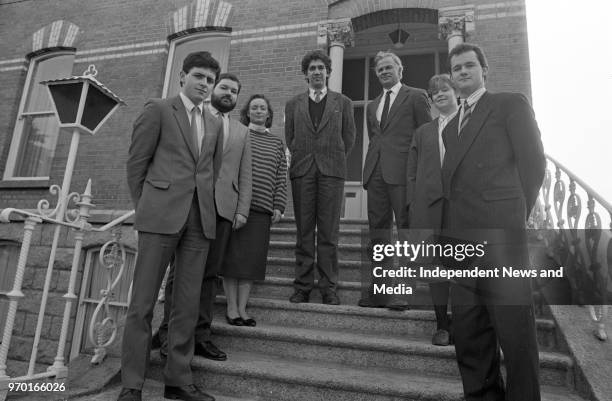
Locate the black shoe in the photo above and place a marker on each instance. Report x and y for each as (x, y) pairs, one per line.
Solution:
(208, 350)
(398, 307)
(441, 337)
(331, 298)
(250, 322)
(299, 297)
(130, 394)
(368, 303)
(234, 322)
(186, 393)
(163, 352)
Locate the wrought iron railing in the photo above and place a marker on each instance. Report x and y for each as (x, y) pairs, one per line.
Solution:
(112, 255)
(576, 239)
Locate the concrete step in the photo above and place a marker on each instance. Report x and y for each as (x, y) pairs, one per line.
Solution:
(347, 235)
(289, 222)
(153, 390)
(351, 318)
(348, 291)
(348, 270)
(286, 249)
(274, 378)
(366, 350)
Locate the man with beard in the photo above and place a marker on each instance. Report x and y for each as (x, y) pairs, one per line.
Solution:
(232, 199)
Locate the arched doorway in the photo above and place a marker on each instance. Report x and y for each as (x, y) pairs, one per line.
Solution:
(423, 54)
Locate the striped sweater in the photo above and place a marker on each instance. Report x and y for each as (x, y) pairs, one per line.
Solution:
(269, 172)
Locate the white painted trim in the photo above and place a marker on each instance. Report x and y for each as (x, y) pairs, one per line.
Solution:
(18, 130)
(501, 15)
(184, 39)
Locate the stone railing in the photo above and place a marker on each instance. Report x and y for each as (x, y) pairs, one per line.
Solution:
(575, 238)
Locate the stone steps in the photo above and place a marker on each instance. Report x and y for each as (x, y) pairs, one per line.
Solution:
(348, 235)
(366, 350)
(286, 249)
(283, 378)
(348, 270)
(349, 318)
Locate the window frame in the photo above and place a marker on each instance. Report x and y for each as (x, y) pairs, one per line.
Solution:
(18, 130)
(176, 40)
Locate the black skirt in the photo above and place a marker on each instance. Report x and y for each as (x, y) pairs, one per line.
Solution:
(247, 251)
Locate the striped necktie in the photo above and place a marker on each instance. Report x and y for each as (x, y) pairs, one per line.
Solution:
(317, 98)
(467, 112)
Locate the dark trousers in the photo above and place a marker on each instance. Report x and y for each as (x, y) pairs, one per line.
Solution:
(317, 201)
(478, 328)
(208, 292)
(384, 201)
(190, 248)
(440, 292)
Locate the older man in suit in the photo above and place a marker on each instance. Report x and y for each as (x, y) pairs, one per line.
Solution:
(319, 132)
(174, 159)
(391, 120)
(233, 191)
(493, 168)
(424, 190)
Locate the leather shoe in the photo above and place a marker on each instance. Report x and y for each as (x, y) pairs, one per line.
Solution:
(163, 352)
(331, 298)
(186, 393)
(208, 350)
(299, 297)
(398, 307)
(234, 322)
(250, 322)
(130, 394)
(441, 337)
(368, 303)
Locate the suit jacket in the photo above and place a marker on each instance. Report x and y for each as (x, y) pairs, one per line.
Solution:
(492, 173)
(164, 170)
(409, 111)
(424, 194)
(329, 145)
(233, 189)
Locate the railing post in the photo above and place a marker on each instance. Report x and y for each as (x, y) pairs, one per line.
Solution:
(16, 293)
(85, 204)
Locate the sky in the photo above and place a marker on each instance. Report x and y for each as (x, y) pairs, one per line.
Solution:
(570, 51)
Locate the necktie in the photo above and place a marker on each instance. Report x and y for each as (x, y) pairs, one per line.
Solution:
(467, 112)
(385, 110)
(317, 98)
(194, 127)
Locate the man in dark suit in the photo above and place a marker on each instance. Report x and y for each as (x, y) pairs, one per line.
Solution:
(174, 159)
(233, 191)
(391, 119)
(319, 132)
(493, 168)
(424, 189)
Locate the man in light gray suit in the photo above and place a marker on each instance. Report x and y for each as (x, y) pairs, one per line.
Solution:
(319, 132)
(174, 159)
(233, 191)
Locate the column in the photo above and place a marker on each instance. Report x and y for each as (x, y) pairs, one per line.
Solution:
(337, 35)
(454, 24)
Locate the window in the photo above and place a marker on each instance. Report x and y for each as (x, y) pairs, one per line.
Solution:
(216, 42)
(9, 254)
(36, 129)
(95, 279)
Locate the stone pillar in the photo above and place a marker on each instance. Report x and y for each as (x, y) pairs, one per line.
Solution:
(337, 35)
(454, 24)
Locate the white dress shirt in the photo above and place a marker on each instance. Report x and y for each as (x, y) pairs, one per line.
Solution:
(225, 118)
(311, 93)
(471, 100)
(394, 91)
(199, 122)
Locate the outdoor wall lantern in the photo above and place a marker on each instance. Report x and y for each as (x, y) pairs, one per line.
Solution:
(82, 102)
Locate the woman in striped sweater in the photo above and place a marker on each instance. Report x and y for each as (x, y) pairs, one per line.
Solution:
(247, 252)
